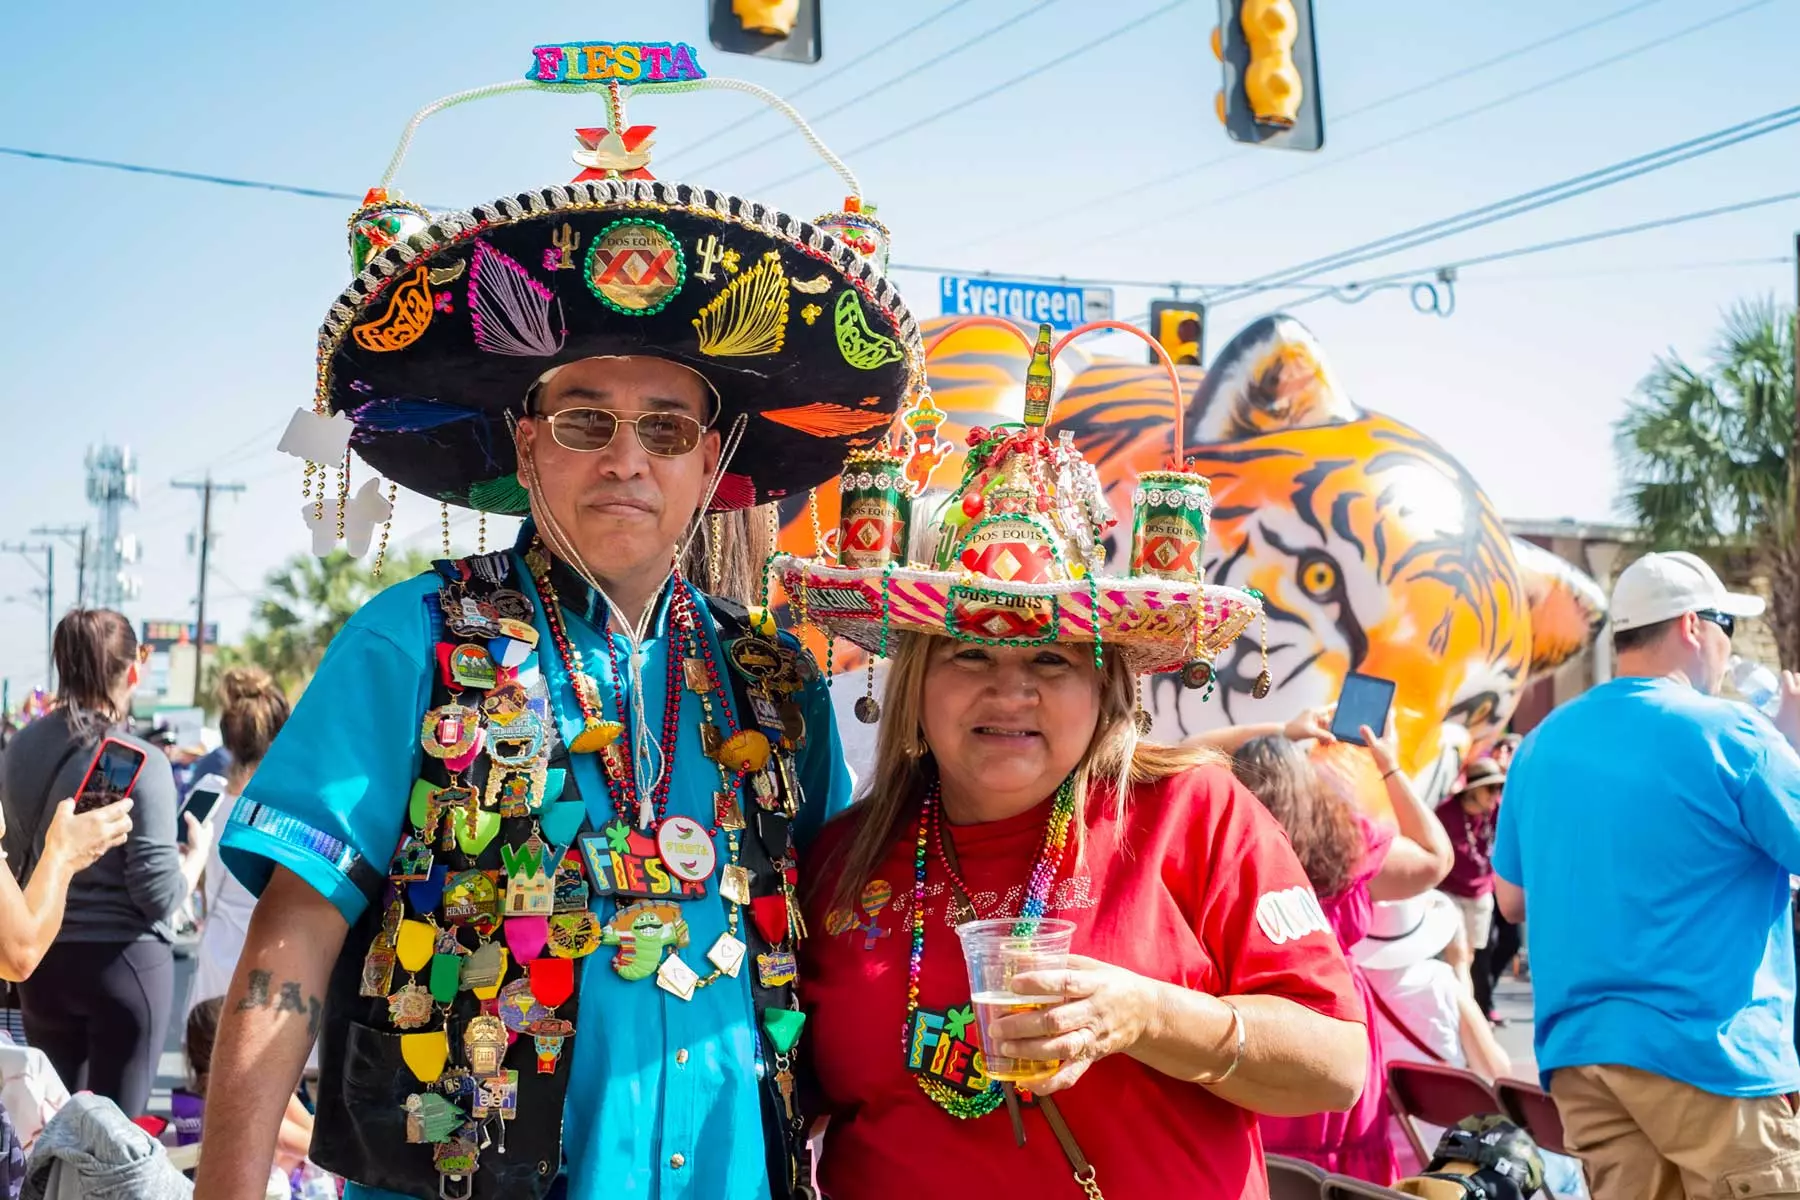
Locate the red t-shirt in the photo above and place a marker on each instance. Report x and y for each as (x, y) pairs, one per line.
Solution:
(1193, 887)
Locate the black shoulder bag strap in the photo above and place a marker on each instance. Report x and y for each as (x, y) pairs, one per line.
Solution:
(1065, 1137)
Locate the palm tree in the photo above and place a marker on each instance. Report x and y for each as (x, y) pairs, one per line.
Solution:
(1707, 454)
(306, 602)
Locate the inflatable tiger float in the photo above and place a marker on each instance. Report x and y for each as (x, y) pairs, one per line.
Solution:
(1375, 550)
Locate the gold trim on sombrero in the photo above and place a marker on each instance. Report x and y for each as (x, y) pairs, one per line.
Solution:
(450, 230)
(1151, 621)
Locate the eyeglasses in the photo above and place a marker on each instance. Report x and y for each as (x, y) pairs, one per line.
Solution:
(1724, 621)
(586, 430)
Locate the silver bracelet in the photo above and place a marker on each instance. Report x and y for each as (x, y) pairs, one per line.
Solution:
(1237, 1022)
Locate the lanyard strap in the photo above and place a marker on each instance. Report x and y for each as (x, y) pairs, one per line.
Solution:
(1065, 1137)
(1408, 1034)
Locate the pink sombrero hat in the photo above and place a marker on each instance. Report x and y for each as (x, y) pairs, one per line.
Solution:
(1016, 554)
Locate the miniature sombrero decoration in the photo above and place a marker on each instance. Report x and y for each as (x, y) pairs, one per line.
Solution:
(454, 316)
(1020, 556)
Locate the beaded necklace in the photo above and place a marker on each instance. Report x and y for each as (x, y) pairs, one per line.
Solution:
(624, 777)
(694, 644)
(1037, 896)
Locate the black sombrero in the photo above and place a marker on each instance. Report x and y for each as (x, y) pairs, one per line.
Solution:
(446, 330)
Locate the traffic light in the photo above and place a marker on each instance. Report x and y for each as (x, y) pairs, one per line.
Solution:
(1180, 328)
(1271, 73)
(784, 29)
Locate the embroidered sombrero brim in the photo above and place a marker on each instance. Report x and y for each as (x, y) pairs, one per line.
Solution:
(445, 331)
(1158, 624)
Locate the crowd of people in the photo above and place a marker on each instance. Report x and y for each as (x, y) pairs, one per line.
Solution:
(555, 882)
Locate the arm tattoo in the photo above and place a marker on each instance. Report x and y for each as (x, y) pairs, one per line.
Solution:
(287, 1000)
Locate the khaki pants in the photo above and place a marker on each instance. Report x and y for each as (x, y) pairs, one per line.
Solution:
(1646, 1137)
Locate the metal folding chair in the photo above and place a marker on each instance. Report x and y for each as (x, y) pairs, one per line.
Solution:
(1437, 1095)
(1294, 1179)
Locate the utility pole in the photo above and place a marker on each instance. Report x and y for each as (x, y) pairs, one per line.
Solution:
(206, 488)
(76, 536)
(48, 571)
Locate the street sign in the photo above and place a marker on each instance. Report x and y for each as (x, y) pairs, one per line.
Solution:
(1061, 305)
(160, 635)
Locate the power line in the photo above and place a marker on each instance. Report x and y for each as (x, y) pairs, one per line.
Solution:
(964, 104)
(171, 173)
(1337, 120)
(887, 44)
(1523, 202)
(1166, 216)
(1070, 280)
(901, 77)
(1596, 236)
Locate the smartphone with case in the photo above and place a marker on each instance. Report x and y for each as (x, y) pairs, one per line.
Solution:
(1365, 700)
(110, 776)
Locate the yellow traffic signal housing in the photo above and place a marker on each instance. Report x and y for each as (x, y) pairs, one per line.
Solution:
(784, 29)
(1180, 328)
(1271, 73)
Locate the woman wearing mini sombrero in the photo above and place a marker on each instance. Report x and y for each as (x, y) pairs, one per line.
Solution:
(1011, 782)
(527, 844)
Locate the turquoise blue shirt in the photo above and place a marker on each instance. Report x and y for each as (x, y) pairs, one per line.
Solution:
(1653, 829)
(652, 1077)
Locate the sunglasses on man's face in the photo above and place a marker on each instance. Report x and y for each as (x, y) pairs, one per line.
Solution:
(586, 430)
(1724, 621)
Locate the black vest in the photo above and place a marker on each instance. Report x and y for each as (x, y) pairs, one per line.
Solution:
(361, 1125)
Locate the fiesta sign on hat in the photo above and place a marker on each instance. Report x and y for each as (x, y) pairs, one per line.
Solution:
(1661, 587)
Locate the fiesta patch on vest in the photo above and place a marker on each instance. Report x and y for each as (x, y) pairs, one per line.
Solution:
(621, 861)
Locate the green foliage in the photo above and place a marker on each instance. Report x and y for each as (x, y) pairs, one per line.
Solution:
(305, 602)
(1704, 450)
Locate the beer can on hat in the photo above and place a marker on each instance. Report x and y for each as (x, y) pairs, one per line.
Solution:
(1170, 512)
(876, 508)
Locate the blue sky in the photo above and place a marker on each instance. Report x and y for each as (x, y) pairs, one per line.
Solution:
(180, 318)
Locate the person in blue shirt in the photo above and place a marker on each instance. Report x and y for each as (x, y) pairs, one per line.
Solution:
(527, 848)
(1649, 829)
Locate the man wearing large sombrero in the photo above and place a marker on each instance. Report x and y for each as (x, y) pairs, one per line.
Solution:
(527, 847)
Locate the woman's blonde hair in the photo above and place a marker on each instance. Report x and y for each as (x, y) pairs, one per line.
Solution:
(1116, 759)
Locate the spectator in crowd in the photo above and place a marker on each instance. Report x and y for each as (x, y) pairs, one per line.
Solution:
(202, 1032)
(1417, 962)
(1649, 830)
(252, 712)
(32, 915)
(1351, 862)
(1468, 817)
(98, 1003)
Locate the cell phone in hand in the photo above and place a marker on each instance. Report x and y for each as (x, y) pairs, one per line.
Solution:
(201, 799)
(110, 776)
(1365, 700)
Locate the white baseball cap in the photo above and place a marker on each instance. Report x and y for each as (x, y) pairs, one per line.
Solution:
(1661, 587)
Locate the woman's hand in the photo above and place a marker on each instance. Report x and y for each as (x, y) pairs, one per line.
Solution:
(1383, 748)
(1313, 723)
(81, 838)
(199, 838)
(1098, 1009)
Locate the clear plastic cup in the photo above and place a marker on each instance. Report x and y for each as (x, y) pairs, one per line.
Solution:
(995, 952)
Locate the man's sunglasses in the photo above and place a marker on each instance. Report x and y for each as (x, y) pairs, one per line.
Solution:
(585, 430)
(1724, 621)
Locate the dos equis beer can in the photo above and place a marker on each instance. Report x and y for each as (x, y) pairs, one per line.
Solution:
(876, 508)
(1170, 511)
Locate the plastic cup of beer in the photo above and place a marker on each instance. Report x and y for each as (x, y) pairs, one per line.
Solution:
(996, 952)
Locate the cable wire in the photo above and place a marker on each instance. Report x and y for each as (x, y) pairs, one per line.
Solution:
(810, 85)
(1176, 214)
(892, 81)
(1521, 203)
(1337, 121)
(988, 93)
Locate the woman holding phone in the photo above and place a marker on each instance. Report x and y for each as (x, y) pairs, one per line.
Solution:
(252, 711)
(98, 1003)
